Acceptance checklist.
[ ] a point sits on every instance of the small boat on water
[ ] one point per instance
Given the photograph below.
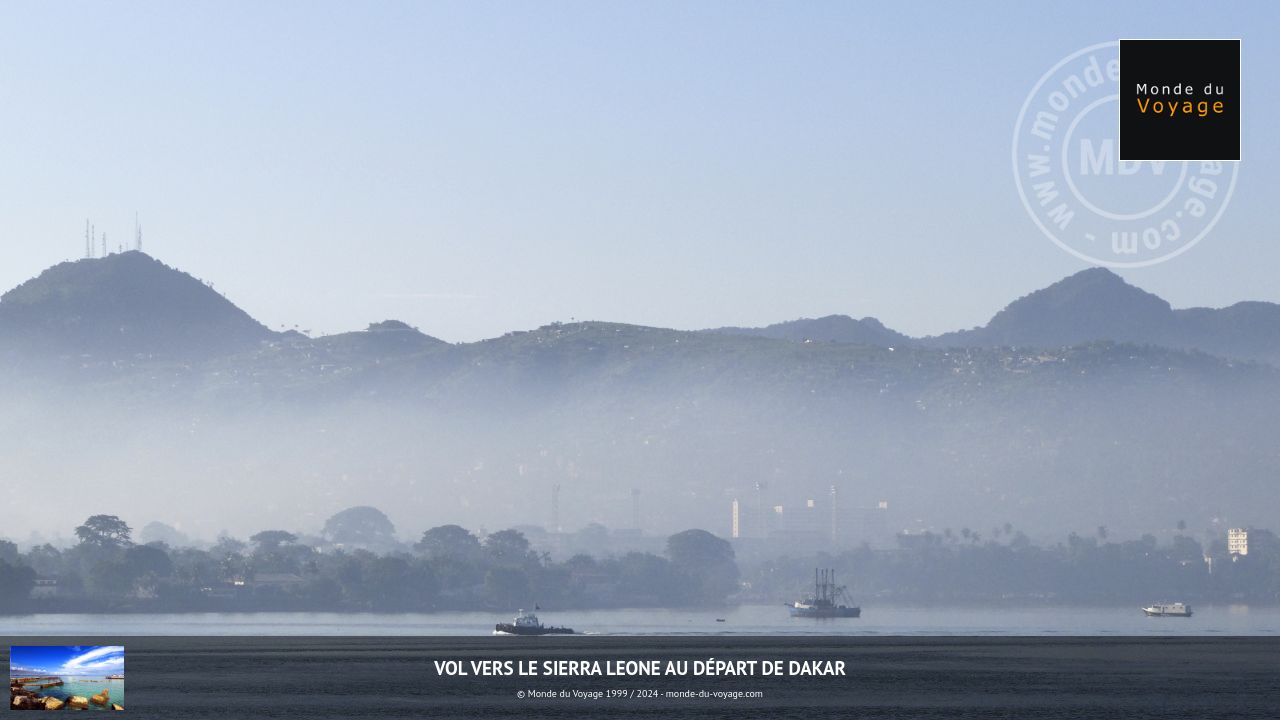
(526, 623)
(827, 601)
(115, 677)
(1167, 610)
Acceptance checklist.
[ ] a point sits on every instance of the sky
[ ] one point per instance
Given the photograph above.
(66, 660)
(474, 168)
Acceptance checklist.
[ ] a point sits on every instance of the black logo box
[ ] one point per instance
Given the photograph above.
(1185, 67)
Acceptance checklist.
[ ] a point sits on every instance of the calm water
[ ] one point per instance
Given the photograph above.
(743, 620)
(88, 687)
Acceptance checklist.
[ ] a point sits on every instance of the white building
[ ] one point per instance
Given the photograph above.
(1238, 541)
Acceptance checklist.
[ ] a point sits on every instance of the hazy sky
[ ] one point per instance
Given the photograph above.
(473, 168)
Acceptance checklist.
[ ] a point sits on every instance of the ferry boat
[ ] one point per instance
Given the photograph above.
(526, 623)
(825, 602)
(1167, 610)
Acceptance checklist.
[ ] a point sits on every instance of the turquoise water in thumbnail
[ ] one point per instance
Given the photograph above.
(87, 687)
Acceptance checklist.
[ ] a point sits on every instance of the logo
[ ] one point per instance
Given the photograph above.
(1082, 196)
(1180, 99)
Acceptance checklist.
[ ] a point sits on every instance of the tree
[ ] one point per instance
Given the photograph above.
(227, 545)
(360, 526)
(16, 582)
(449, 541)
(582, 563)
(8, 552)
(270, 540)
(196, 567)
(108, 578)
(698, 549)
(594, 535)
(147, 562)
(159, 532)
(1186, 549)
(507, 587)
(396, 583)
(276, 551)
(707, 562)
(508, 547)
(646, 579)
(105, 531)
(45, 559)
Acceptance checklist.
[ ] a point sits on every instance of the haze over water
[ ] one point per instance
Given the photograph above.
(1219, 620)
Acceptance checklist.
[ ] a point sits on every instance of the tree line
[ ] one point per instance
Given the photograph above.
(963, 567)
(355, 565)
(358, 564)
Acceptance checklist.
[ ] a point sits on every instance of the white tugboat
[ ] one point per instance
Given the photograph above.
(526, 623)
(1167, 610)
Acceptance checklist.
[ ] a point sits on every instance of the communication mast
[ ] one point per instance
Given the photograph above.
(761, 518)
(137, 233)
(88, 240)
(635, 508)
(834, 528)
(555, 508)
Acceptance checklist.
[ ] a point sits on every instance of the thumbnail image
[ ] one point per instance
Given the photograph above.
(71, 677)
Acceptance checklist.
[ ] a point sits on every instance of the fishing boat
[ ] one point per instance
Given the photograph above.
(827, 601)
(526, 623)
(1167, 610)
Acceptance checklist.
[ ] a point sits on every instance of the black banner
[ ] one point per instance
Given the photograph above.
(695, 677)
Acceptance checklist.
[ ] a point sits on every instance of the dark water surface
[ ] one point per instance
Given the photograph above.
(940, 677)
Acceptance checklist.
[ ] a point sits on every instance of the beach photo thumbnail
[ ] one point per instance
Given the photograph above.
(72, 677)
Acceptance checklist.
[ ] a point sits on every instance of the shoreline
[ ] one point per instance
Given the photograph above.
(896, 605)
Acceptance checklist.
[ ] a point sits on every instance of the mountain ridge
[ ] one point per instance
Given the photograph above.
(273, 423)
(829, 328)
(129, 304)
(1092, 305)
(122, 305)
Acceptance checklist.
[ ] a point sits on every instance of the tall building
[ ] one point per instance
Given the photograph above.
(1238, 541)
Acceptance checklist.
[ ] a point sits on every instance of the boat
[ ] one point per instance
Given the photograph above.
(1167, 610)
(115, 677)
(526, 623)
(827, 601)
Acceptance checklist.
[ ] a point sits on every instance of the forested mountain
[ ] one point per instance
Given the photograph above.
(1093, 305)
(197, 415)
(123, 305)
